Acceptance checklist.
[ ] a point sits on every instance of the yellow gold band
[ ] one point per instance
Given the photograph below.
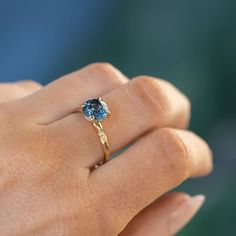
(95, 111)
(104, 141)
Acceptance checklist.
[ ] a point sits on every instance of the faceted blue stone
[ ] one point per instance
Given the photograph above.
(95, 110)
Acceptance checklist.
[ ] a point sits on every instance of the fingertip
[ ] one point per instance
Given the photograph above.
(184, 212)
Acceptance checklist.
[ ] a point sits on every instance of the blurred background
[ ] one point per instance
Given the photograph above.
(190, 43)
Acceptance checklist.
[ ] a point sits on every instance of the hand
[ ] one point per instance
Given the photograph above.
(47, 150)
(166, 215)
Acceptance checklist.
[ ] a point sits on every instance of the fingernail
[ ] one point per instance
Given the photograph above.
(184, 213)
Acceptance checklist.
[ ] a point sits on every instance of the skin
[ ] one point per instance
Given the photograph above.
(47, 151)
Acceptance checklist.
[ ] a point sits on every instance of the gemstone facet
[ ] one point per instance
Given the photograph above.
(95, 110)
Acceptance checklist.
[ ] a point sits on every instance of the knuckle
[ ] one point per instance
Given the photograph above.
(176, 97)
(150, 94)
(175, 153)
(102, 66)
(108, 72)
(31, 84)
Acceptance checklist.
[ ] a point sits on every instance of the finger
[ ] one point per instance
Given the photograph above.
(12, 91)
(136, 107)
(164, 217)
(152, 166)
(65, 95)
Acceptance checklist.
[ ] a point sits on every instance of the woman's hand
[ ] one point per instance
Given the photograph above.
(163, 217)
(47, 150)
(166, 215)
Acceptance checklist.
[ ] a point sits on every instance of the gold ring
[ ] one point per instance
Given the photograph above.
(95, 111)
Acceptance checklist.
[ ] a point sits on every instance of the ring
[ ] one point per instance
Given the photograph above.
(95, 111)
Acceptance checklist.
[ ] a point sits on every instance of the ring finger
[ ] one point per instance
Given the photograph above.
(136, 107)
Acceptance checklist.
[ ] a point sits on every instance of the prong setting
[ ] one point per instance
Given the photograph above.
(95, 110)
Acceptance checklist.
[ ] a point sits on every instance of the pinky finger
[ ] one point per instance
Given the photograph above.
(164, 217)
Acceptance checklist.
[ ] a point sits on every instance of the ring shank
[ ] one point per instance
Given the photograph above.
(104, 141)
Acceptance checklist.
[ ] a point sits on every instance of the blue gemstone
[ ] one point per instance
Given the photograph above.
(95, 110)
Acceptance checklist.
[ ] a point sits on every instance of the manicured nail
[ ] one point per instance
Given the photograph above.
(184, 213)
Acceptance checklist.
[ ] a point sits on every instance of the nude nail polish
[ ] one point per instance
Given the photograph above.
(184, 213)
